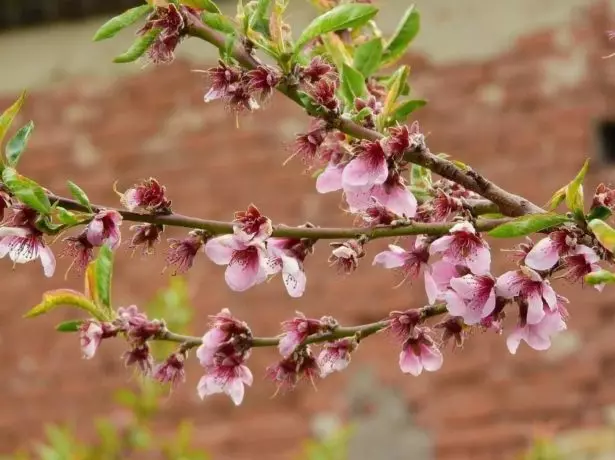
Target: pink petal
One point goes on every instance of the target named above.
(235, 389)
(455, 304)
(535, 309)
(242, 275)
(48, 261)
(330, 179)
(409, 363)
(295, 283)
(13, 231)
(360, 172)
(431, 358)
(22, 251)
(590, 255)
(398, 199)
(213, 338)
(130, 199)
(548, 294)
(441, 244)
(479, 309)
(220, 250)
(288, 343)
(466, 286)
(442, 272)
(507, 285)
(479, 262)
(358, 199)
(543, 255)
(95, 232)
(395, 257)
(431, 288)
(245, 375)
(205, 355)
(514, 339)
(536, 340)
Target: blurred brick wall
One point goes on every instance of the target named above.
(524, 117)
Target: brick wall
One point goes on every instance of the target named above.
(523, 114)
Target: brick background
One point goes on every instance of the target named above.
(524, 117)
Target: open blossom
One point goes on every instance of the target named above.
(345, 256)
(471, 297)
(147, 236)
(420, 353)
(182, 252)
(224, 328)
(286, 255)
(105, 229)
(246, 261)
(80, 249)
(368, 167)
(297, 330)
(438, 278)
(227, 375)
(251, 225)
(464, 247)
(172, 370)
(443, 206)
(392, 194)
(91, 334)
(530, 288)
(25, 244)
(547, 252)
(410, 263)
(290, 370)
(376, 214)
(148, 195)
(335, 356)
(581, 262)
(538, 335)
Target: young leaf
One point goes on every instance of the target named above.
(574, 191)
(26, 190)
(79, 195)
(121, 21)
(259, 21)
(16, 146)
(396, 84)
(604, 233)
(352, 84)
(206, 5)
(218, 22)
(66, 217)
(336, 49)
(420, 176)
(104, 270)
(599, 277)
(9, 115)
(139, 47)
(402, 110)
(69, 326)
(367, 57)
(68, 297)
(362, 114)
(407, 29)
(557, 199)
(341, 17)
(599, 212)
(526, 225)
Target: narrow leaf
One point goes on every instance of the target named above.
(69, 326)
(9, 115)
(206, 5)
(557, 199)
(526, 225)
(341, 17)
(104, 269)
(26, 190)
(66, 217)
(259, 21)
(352, 84)
(599, 212)
(78, 194)
(121, 21)
(407, 29)
(604, 233)
(139, 47)
(218, 22)
(599, 277)
(402, 110)
(574, 191)
(16, 146)
(367, 57)
(336, 49)
(66, 297)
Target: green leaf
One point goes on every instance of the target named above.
(604, 233)
(599, 277)
(7, 117)
(78, 194)
(367, 57)
(526, 225)
(352, 84)
(599, 212)
(402, 110)
(362, 114)
(104, 270)
(16, 146)
(26, 190)
(69, 326)
(396, 84)
(206, 5)
(259, 21)
(557, 199)
(218, 22)
(420, 176)
(66, 217)
(336, 50)
(574, 191)
(341, 17)
(67, 297)
(229, 43)
(139, 47)
(121, 21)
(407, 29)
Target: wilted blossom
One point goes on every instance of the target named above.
(443, 206)
(547, 252)
(246, 261)
(438, 278)
(170, 21)
(375, 108)
(392, 194)
(452, 328)
(172, 370)
(538, 335)
(221, 79)
(471, 297)
(104, 228)
(345, 256)
(582, 262)
(420, 353)
(368, 167)
(529, 286)
(181, 253)
(335, 356)
(408, 262)
(297, 330)
(464, 247)
(376, 214)
(317, 70)
(80, 250)
(139, 329)
(251, 225)
(520, 252)
(324, 93)
(224, 327)
(148, 195)
(286, 255)
(147, 236)
(604, 196)
(290, 370)
(262, 81)
(91, 334)
(25, 244)
(403, 323)
(141, 357)
(306, 145)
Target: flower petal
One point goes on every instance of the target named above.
(295, 283)
(242, 275)
(441, 244)
(431, 358)
(543, 255)
(361, 172)
(330, 179)
(508, 285)
(397, 199)
(455, 304)
(48, 261)
(409, 363)
(220, 250)
(235, 389)
(94, 232)
(479, 261)
(535, 309)
(245, 374)
(514, 339)
(395, 257)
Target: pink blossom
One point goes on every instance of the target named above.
(290, 370)
(246, 261)
(138, 328)
(393, 195)
(90, 335)
(286, 255)
(172, 370)
(104, 228)
(251, 225)
(182, 252)
(25, 244)
(546, 253)
(229, 376)
(444, 206)
(223, 327)
(538, 335)
(335, 356)
(297, 330)
(410, 263)
(148, 195)
(464, 247)
(582, 262)
(471, 297)
(403, 323)
(375, 215)
(345, 256)
(438, 278)
(420, 353)
(367, 168)
(330, 179)
(529, 287)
